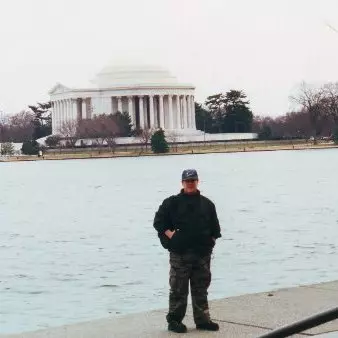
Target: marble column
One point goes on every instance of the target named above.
(57, 116)
(101, 106)
(190, 111)
(141, 112)
(61, 112)
(110, 105)
(74, 109)
(90, 108)
(161, 112)
(106, 105)
(53, 115)
(171, 117)
(151, 111)
(156, 112)
(59, 120)
(131, 110)
(69, 110)
(193, 116)
(77, 110)
(64, 111)
(119, 104)
(185, 115)
(178, 124)
(84, 108)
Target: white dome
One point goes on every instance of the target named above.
(129, 75)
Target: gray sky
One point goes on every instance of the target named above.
(264, 47)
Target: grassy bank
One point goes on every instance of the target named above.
(231, 147)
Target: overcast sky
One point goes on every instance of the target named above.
(264, 47)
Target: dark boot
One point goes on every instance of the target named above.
(208, 326)
(177, 327)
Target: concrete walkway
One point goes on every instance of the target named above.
(243, 316)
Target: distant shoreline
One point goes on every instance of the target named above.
(194, 150)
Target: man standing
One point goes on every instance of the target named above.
(188, 227)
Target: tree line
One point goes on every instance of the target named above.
(30, 124)
(26, 127)
(316, 117)
(101, 129)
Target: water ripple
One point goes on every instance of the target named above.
(91, 249)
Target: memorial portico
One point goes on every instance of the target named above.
(151, 95)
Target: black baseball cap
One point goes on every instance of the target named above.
(189, 174)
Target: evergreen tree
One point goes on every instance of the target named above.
(229, 112)
(159, 143)
(335, 136)
(42, 121)
(265, 133)
(203, 118)
(238, 116)
(123, 121)
(215, 104)
(30, 148)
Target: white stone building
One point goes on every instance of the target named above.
(151, 95)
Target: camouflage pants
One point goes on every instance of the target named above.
(185, 268)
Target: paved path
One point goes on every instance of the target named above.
(244, 316)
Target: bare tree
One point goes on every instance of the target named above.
(331, 101)
(53, 141)
(17, 128)
(297, 124)
(102, 128)
(112, 132)
(69, 131)
(311, 99)
(7, 149)
(145, 136)
(111, 142)
(23, 125)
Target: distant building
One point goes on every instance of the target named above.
(150, 94)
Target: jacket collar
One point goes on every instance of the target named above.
(197, 193)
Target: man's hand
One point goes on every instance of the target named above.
(169, 233)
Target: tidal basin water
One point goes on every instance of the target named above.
(77, 242)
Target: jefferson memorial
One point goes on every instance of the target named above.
(151, 95)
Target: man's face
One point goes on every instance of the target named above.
(190, 186)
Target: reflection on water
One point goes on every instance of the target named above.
(77, 243)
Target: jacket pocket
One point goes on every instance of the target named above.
(164, 241)
(177, 241)
(203, 241)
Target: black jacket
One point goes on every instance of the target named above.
(194, 219)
